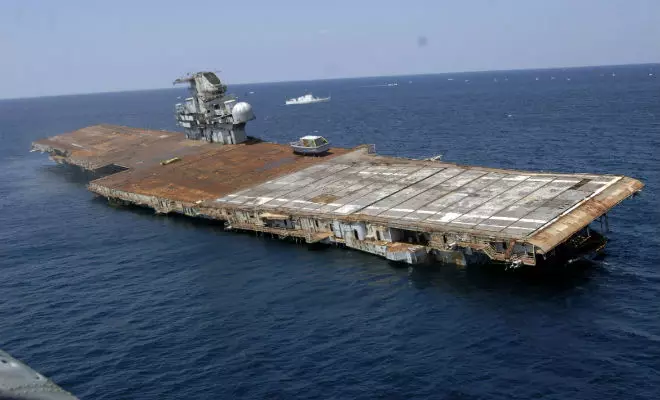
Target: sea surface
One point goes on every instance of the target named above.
(117, 303)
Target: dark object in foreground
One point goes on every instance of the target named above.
(20, 382)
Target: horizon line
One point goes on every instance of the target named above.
(339, 78)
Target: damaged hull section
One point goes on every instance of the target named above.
(408, 211)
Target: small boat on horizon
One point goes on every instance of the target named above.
(307, 99)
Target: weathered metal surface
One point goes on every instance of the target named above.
(213, 171)
(351, 197)
(446, 197)
(99, 146)
(20, 382)
(205, 170)
(564, 226)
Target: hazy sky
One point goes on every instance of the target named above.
(66, 46)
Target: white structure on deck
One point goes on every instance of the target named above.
(210, 114)
(311, 144)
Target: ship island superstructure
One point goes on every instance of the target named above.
(405, 210)
(210, 114)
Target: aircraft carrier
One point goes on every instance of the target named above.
(405, 210)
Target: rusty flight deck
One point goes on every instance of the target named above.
(405, 210)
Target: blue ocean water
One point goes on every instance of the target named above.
(121, 304)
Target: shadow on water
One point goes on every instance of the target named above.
(548, 281)
(216, 227)
(72, 173)
(552, 279)
(176, 219)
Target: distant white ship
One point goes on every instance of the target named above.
(307, 99)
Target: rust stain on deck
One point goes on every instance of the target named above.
(214, 171)
(206, 170)
(98, 146)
